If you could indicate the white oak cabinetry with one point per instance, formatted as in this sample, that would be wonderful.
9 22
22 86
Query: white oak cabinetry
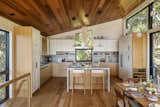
68 45
44 45
105 45
133 56
60 45
60 69
27 50
45 73
113 69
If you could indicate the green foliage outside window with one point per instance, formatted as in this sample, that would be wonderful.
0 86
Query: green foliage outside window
3 90
156 21
156 48
84 55
138 22
2 52
87 41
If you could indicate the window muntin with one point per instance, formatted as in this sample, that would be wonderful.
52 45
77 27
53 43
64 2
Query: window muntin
4 63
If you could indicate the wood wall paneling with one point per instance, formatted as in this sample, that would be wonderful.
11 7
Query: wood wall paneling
139 45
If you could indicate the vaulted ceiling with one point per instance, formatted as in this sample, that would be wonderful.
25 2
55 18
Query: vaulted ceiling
57 16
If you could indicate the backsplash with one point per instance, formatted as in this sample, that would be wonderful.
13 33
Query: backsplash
108 57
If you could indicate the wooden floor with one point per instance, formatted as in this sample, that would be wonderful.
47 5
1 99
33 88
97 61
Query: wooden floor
53 94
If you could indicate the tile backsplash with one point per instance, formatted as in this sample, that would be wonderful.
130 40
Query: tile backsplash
108 57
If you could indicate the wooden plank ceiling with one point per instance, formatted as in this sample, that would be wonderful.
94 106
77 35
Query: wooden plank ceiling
57 16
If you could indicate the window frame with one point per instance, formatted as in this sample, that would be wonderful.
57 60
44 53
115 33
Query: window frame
6 71
150 18
138 13
151 54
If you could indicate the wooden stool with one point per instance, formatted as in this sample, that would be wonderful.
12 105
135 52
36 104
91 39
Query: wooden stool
97 74
78 74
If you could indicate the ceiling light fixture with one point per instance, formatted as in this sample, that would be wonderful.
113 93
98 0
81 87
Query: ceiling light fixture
86 15
73 18
99 12
12 14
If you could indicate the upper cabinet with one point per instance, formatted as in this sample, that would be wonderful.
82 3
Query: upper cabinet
69 45
61 45
44 45
105 45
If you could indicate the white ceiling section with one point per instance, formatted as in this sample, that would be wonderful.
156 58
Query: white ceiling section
109 30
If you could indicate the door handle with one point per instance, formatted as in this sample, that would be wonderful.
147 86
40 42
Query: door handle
36 64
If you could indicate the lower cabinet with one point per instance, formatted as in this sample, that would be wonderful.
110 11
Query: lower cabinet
113 69
45 73
60 69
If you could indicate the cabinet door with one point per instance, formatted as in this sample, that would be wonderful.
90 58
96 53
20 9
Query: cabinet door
139 51
44 46
105 45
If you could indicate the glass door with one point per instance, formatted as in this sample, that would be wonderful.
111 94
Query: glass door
155 54
4 63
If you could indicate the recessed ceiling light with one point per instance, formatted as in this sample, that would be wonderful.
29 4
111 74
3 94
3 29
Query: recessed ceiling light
12 14
99 12
86 15
73 18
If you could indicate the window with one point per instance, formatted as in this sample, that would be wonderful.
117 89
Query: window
83 55
156 14
4 63
80 40
138 22
155 54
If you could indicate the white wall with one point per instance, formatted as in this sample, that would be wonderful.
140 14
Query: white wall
110 30
6 24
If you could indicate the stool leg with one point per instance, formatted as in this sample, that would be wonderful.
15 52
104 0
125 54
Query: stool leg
84 81
103 82
91 85
72 83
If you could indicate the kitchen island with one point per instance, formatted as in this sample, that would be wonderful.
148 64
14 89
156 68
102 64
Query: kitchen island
88 69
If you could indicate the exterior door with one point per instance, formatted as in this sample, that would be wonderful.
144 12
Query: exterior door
4 64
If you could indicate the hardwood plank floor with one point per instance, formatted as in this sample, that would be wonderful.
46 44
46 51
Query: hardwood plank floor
53 94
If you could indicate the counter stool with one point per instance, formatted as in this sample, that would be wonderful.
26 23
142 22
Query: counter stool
78 74
97 74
